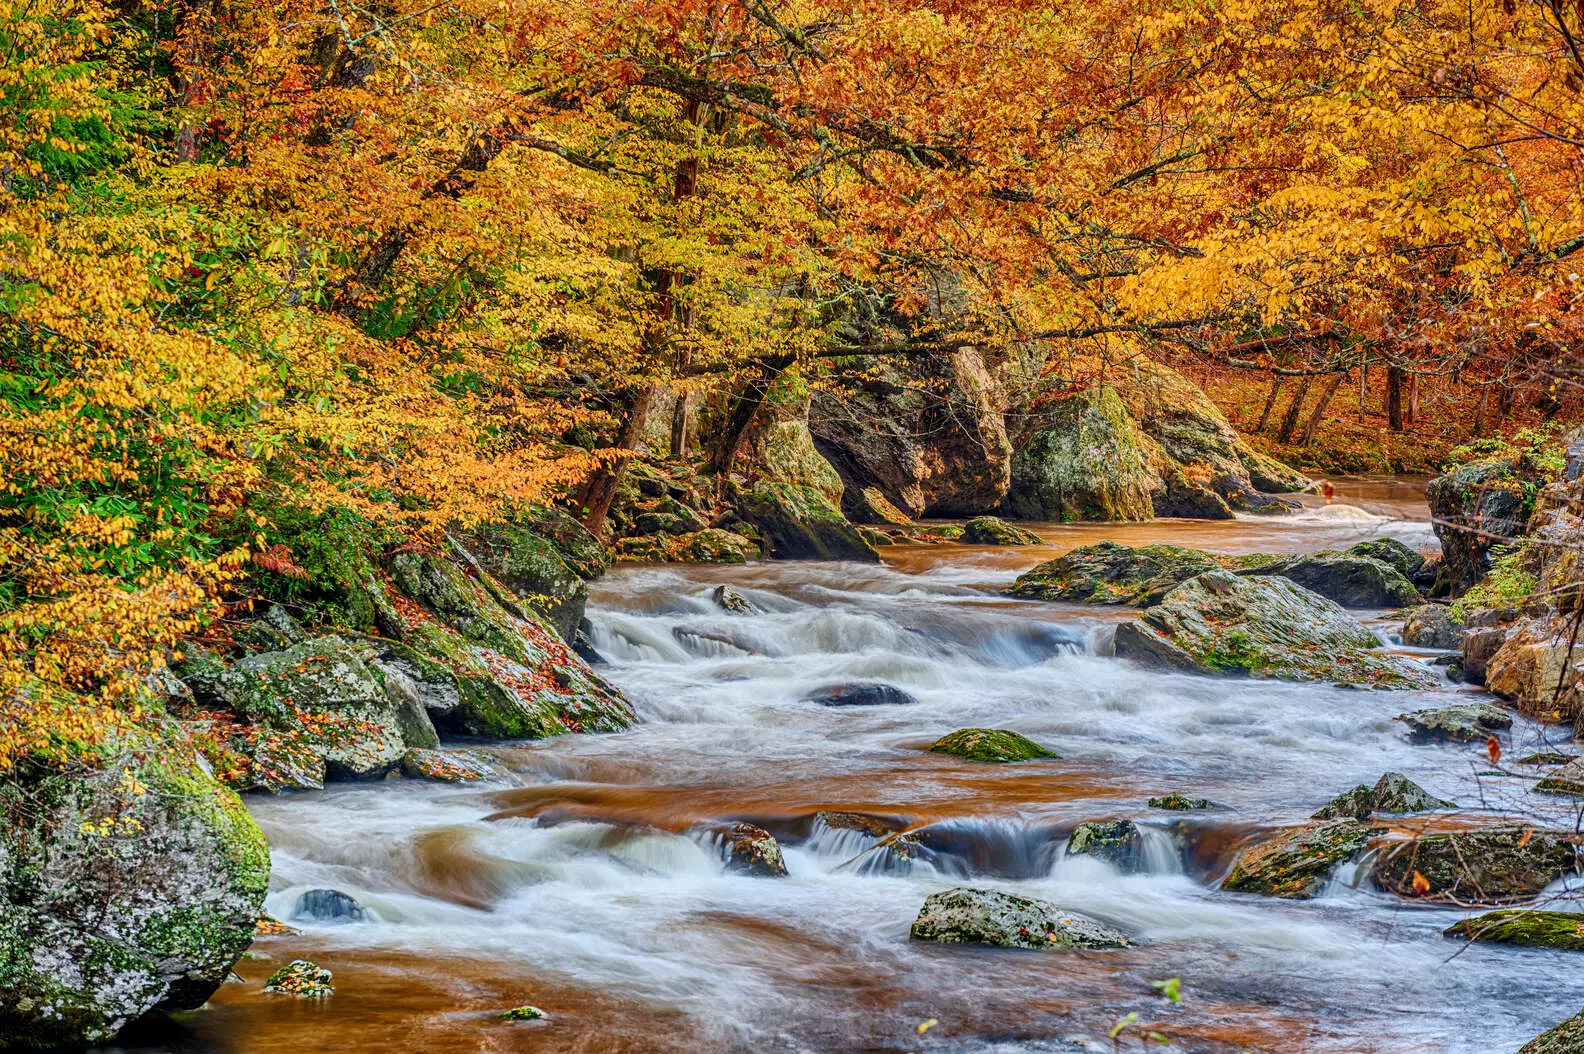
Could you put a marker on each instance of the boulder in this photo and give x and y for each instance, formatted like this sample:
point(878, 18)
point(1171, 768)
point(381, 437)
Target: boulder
point(715, 546)
point(1110, 573)
point(1350, 580)
point(728, 599)
point(1537, 667)
point(868, 505)
point(328, 905)
point(1118, 842)
point(1559, 930)
point(1480, 645)
point(1465, 723)
point(450, 766)
point(862, 822)
point(1432, 626)
point(1177, 803)
point(1408, 562)
point(1392, 793)
point(1487, 865)
point(1473, 506)
point(1297, 862)
point(129, 882)
point(300, 978)
point(1087, 461)
point(1262, 627)
point(990, 745)
point(533, 568)
point(992, 530)
point(986, 916)
point(860, 694)
point(748, 849)
point(1566, 1038)
point(801, 523)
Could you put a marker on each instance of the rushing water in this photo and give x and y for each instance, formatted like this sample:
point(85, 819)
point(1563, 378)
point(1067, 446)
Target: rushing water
point(579, 888)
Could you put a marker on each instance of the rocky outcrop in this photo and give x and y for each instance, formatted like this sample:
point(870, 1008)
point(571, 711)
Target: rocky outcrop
point(991, 530)
point(450, 766)
point(1349, 579)
point(1392, 793)
point(1298, 862)
point(1117, 842)
point(1087, 461)
point(1261, 627)
point(987, 916)
point(128, 883)
point(1473, 507)
point(1489, 865)
point(990, 745)
point(1464, 723)
point(1538, 667)
point(748, 849)
point(1177, 803)
point(1532, 928)
point(1432, 626)
point(802, 523)
point(545, 571)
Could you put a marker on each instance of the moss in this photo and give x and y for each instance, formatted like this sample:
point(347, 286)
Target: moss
point(1562, 930)
point(1177, 802)
point(1088, 462)
point(991, 530)
point(1566, 1038)
point(990, 745)
point(1510, 582)
point(1117, 841)
point(1492, 865)
point(524, 1013)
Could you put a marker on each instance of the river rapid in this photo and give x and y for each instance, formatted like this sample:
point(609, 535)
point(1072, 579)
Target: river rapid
point(579, 889)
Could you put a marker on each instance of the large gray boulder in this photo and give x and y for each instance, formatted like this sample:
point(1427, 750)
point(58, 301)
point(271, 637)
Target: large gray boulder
point(128, 882)
point(1472, 508)
point(542, 558)
point(988, 916)
point(1087, 461)
point(1223, 623)
point(802, 523)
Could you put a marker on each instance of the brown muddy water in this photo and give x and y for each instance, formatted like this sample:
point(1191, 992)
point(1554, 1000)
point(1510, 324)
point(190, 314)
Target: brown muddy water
point(577, 887)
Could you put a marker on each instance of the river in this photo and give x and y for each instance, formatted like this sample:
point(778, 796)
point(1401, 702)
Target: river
point(579, 889)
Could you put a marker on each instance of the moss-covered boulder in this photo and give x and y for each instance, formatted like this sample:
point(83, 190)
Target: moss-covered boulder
point(714, 545)
point(1464, 723)
point(300, 978)
point(1118, 842)
point(1348, 579)
point(1297, 862)
point(1566, 1038)
point(1261, 627)
point(1177, 803)
point(748, 849)
point(987, 916)
point(1111, 573)
point(1392, 793)
point(128, 882)
point(992, 530)
point(1432, 626)
point(1087, 461)
point(801, 523)
point(1559, 930)
point(1488, 865)
point(450, 766)
point(1567, 780)
point(1472, 506)
point(869, 505)
point(990, 745)
point(533, 568)
point(1407, 561)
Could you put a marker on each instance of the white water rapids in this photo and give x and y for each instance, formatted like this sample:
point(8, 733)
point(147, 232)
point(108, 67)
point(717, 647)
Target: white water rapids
point(577, 887)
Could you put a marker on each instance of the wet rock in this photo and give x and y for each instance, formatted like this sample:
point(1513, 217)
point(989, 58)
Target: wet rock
point(1118, 842)
point(1534, 660)
point(327, 905)
point(1465, 723)
point(1569, 780)
point(274, 630)
point(749, 849)
point(860, 694)
point(534, 568)
point(868, 505)
point(1560, 930)
point(1298, 862)
point(1431, 626)
point(1472, 506)
point(450, 766)
point(986, 916)
point(1408, 562)
point(300, 978)
point(992, 530)
point(1177, 803)
point(524, 1013)
point(1566, 1038)
point(1348, 579)
point(1392, 793)
point(1111, 573)
point(1546, 757)
point(728, 599)
point(715, 546)
point(1480, 643)
point(800, 523)
point(861, 822)
point(130, 884)
point(991, 745)
point(1262, 627)
point(1087, 461)
point(1491, 865)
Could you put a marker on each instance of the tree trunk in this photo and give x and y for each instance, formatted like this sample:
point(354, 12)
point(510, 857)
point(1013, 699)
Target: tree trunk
point(744, 407)
point(193, 44)
point(1320, 407)
point(1479, 412)
point(1394, 414)
point(1290, 419)
point(1363, 390)
point(1270, 403)
point(1413, 399)
point(600, 490)
point(679, 424)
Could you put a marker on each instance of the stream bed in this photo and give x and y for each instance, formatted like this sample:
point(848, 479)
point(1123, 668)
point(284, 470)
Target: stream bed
point(579, 888)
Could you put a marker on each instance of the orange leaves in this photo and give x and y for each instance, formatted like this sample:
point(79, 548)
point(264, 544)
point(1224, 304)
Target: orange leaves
point(1421, 885)
point(1493, 749)
point(278, 558)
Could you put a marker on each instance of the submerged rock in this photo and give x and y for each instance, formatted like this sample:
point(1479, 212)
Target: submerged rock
point(861, 822)
point(987, 916)
point(300, 978)
point(1178, 803)
point(1490, 865)
point(1431, 626)
point(328, 905)
point(1392, 793)
point(1566, 1038)
point(450, 766)
point(1561, 930)
point(991, 745)
point(1465, 723)
point(1298, 862)
point(1118, 842)
point(728, 599)
point(1262, 627)
point(992, 530)
point(860, 694)
point(749, 849)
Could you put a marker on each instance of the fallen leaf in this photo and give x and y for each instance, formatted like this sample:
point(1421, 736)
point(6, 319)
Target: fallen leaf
point(1493, 748)
point(1421, 884)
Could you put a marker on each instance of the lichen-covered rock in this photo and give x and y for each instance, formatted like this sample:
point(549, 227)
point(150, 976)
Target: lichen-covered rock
point(130, 884)
point(450, 766)
point(990, 745)
point(1488, 865)
point(1464, 723)
point(801, 523)
point(1110, 573)
point(1177, 803)
point(860, 694)
point(1348, 579)
point(992, 530)
point(533, 568)
point(300, 978)
point(1432, 626)
point(1087, 461)
point(1407, 561)
point(748, 849)
point(1392, 793)
point(328, 695)
point(1470, 507)
point(1559, 930)
point(715, 546)
point(1118, 842)
point(868, 505)
point(728, 599)
point(1566, 1038)
point(1296, 863)
point(524, 1013)
point(987, 916)
point(1262, 627)
point(1568, 780)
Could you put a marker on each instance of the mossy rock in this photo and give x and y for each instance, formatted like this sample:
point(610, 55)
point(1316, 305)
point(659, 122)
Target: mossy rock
point(1560, 930)
point(1566, 1038)
point(1432, 626)
point(1464, 723)
point(1087, 461)
point(1110, 573)
point(748, 849)
point(533, 568)
point(1118, 842)
point(990, 745)
point(992, 530)
point(300, 978)
point(524, 1013)
point(1489, 865)
point(1568, 780)
point(1296, 863)
point(1392, 793)
point(451, 766)
point(801, 523)
point(1408, 562)
point(988, 916)
point(715, 546)
point(1177, 803)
